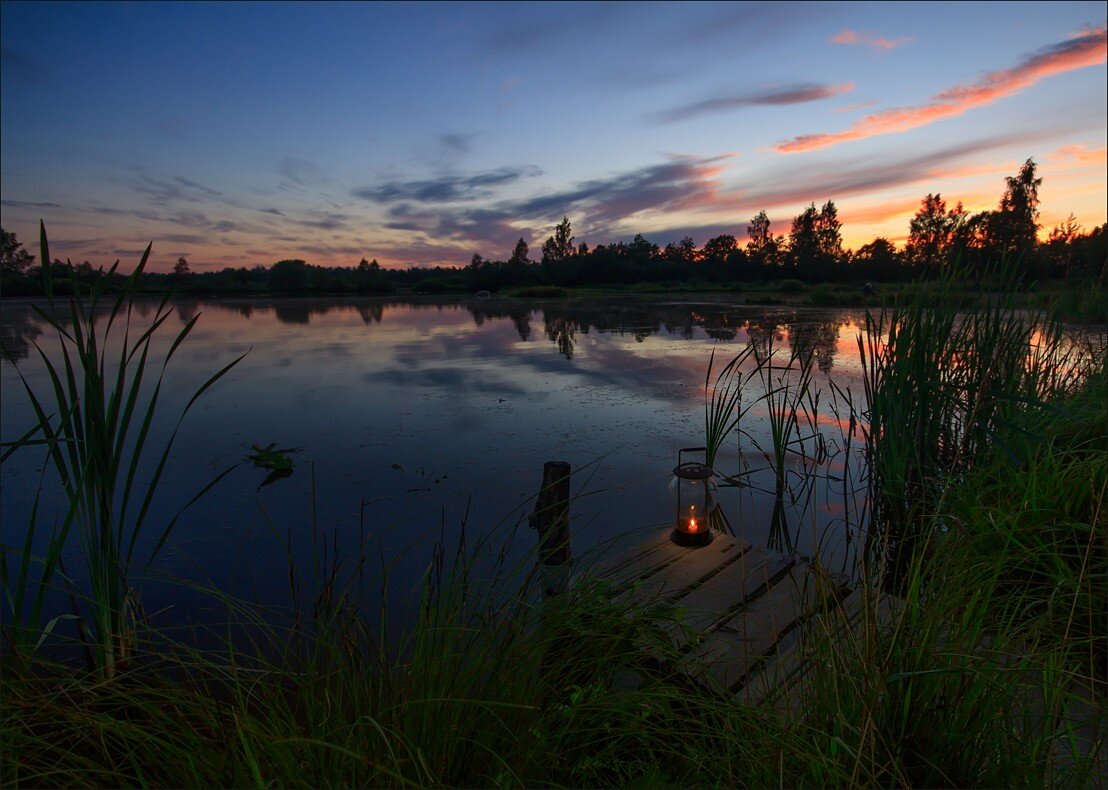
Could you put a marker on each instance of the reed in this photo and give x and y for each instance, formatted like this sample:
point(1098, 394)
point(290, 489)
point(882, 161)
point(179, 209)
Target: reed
point(988, 671)
point(95, 425)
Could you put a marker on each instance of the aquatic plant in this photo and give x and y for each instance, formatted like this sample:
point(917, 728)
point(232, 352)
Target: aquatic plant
point(95, 424)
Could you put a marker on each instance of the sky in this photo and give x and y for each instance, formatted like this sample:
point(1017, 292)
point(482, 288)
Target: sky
point(242, 134)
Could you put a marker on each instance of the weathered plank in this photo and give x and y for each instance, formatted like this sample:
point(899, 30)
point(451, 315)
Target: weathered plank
point(631, 557)
point(732, 650)
point(708, 604)
point(687, 567)
point(785, 677)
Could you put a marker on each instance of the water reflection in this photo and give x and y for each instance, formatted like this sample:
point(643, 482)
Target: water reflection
point(441, 411)
point(18, 335)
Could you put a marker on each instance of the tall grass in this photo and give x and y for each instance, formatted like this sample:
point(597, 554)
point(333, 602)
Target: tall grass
point(94, 425)
point(987, 671)
point(943, 390)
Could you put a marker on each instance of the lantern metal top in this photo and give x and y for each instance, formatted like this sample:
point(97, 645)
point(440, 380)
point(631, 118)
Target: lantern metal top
point(692, 470)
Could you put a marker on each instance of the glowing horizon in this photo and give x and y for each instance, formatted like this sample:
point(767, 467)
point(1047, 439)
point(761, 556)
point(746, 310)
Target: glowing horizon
point(421, 134)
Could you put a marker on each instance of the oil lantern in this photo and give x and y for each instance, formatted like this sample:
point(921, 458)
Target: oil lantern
point(694, 492)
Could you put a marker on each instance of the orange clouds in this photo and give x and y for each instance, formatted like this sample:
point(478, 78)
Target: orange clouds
point(1080, 156)
point(848, 36)
point(1089, 48)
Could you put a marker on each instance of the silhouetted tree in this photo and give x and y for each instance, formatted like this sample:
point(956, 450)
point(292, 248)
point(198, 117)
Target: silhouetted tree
point(1059, 248)
point(519, 254)
point(763, 248)
point(719, 248)
point(14, 260)
point(181, 269)
point(877, 260)
point(1015, 224)
point(289, 275)
point(558, 247)
point(932, 232)
point(804, 241)
point(829, 231)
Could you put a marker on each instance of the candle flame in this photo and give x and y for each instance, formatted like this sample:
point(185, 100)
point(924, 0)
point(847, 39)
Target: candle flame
point(692, 525)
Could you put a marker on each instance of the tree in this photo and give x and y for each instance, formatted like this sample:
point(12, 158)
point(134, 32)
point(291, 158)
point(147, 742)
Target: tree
point(877, 260)
point(687, 249)
point(519, 254)
point(181, 268)
point(829, 233)
point(14, 260)
point(1059, 248)
point(932, 232)
point(719, 248)
point(763, 248)
point(289, 275)
point(804, 240)
point(1015, 223)
point(558, 247)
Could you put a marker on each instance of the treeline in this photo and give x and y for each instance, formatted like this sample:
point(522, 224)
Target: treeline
point(812, 251)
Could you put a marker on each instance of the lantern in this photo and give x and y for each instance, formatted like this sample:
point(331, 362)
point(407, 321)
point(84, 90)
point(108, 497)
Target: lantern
point(694, 493)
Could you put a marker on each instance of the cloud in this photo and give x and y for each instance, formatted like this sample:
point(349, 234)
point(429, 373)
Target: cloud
point(171, 127)
point(1080, 156)
point(1086, 49)
point(841, 179)
point(681, 183)
point(169, 190)
point(524, 29)
point(599, 207)
point(447, 189)
point(24, 204)
point(795, 94)
point(456, 144)
point(302, 172)
point(118, 212)
point(848, 36)
point(22, 67)
point(853, 107)
point(877, 213)
point(324, 220)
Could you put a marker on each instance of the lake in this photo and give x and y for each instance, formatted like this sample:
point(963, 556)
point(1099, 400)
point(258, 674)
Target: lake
point(416, 417)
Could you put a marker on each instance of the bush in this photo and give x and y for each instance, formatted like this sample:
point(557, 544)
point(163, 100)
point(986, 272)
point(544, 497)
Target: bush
point(542, 292)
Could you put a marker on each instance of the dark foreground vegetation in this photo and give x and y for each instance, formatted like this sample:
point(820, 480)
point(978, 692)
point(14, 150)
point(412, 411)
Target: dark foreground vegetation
point(986, 456)
point(809, 262)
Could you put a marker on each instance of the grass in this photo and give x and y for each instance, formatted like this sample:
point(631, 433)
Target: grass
point(988, 671)
point(95, 429)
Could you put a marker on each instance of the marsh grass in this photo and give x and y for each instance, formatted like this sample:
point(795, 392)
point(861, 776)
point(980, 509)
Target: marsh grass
point(987, 671)
point(94, 426)
point(946, 389)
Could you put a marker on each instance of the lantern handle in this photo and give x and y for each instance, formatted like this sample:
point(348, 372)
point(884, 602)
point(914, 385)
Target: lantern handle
point(692, 450)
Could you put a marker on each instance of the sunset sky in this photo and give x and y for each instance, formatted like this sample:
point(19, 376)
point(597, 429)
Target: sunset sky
point(242, 134)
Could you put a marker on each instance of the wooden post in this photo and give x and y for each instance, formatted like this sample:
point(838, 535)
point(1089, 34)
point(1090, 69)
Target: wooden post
point(551, 519)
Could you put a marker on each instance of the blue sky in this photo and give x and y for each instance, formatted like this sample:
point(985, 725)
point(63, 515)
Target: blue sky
point(240, 134)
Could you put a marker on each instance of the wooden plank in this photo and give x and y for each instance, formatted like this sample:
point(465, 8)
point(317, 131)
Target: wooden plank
point(785, 677)
point(780, 670)
point(686, 568)
point(604, 568)
point(731, 651)
point(706, 605)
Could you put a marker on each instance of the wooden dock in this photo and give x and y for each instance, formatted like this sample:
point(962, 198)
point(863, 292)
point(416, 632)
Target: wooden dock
point(742, 610)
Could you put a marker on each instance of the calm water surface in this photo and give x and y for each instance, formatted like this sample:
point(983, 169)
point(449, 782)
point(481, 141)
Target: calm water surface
point(415, 418)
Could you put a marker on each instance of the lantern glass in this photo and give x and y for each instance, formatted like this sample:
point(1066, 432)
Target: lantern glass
point(694, 493)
